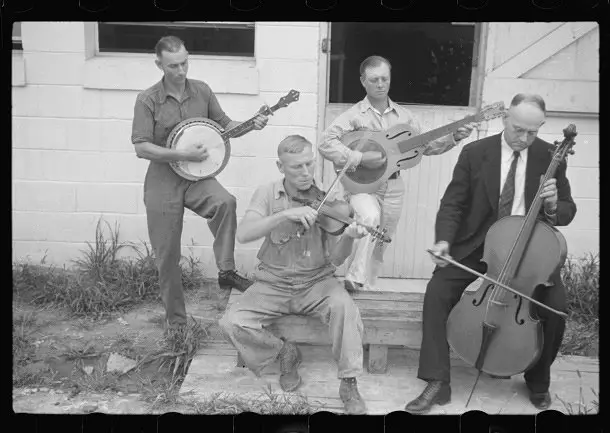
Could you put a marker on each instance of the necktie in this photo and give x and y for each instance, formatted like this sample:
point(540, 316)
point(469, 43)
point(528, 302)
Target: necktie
point(508, 192)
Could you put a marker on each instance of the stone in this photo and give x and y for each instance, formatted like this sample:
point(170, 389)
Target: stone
point(119, 363)
point(88, 369)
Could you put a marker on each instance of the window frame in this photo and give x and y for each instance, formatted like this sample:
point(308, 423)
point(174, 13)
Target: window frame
point(203, 24)
point(17, 39)
point(476, 76)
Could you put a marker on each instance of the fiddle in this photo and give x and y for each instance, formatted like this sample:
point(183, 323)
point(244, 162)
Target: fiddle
point(334, 216)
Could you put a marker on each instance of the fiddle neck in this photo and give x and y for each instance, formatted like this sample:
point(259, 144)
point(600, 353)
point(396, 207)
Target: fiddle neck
point(514, 257)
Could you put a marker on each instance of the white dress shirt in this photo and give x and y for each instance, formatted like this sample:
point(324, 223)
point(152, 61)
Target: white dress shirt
point(506, 161)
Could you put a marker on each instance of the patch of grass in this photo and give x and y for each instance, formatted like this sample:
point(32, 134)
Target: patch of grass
point(102, 281)
point(580, 407)
point(265, 403)
point(98, 380)
point(581, 278)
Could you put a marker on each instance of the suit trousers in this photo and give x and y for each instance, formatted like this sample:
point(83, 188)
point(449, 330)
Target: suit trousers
point(165, 197)
point(444, 291)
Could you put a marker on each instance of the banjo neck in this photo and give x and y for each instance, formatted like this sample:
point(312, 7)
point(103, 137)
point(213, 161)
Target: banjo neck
point(247, 126)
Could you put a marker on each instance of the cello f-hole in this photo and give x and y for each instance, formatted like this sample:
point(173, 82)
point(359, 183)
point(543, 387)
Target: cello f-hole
point(517, 320)
point(474, 301)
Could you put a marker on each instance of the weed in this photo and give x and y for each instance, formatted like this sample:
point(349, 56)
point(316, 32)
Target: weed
point(102, 282)
point(580, 407)
point(581, 279)
point(265, 403)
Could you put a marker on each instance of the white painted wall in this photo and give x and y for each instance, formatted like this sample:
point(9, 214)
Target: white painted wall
point(566, 74)
point(73, 160)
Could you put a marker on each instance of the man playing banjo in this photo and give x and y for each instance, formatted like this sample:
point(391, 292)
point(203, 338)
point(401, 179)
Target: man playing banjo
point(375, 112)
point(157, 110)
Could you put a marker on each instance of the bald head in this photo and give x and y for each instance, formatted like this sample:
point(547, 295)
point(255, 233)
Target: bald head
point(525, 116)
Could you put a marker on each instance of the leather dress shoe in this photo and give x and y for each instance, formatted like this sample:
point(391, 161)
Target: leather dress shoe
point(436, 392)
point(541, 400)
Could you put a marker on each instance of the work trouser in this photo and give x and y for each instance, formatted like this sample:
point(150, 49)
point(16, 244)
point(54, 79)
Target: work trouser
point(244, 322)
point(380, 208)
point(165, 197)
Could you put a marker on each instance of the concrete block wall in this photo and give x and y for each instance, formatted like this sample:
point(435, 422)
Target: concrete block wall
point(73, 161)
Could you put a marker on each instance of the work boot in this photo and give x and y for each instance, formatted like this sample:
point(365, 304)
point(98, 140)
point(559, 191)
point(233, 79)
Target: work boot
point(436, 392)
point(290, 359)
point(353, 402)
point(231, 279)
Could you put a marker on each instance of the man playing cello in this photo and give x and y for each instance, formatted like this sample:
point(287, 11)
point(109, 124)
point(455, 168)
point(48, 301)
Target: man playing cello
point(516, 159)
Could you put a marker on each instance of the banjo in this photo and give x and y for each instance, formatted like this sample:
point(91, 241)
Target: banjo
point(400, 147)
point(216, 139)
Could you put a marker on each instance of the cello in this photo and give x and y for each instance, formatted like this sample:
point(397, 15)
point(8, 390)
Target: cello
point(492, 328)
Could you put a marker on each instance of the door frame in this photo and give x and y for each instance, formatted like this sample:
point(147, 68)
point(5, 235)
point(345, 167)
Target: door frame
point(323, 91)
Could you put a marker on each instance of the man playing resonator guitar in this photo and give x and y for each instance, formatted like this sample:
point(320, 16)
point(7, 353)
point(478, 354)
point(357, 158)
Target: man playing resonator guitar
point(376, 112)
point(157, 110)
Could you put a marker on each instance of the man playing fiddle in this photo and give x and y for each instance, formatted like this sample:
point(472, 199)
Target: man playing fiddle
point(296, 276)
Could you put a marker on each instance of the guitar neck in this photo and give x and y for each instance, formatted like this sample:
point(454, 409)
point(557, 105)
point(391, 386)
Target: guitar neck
point(426, 137)
point(246, 126)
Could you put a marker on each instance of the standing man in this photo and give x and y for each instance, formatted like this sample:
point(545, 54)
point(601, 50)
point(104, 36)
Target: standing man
point(296, 276)
point(157, 110)
point(376, 112)
point(516, 158)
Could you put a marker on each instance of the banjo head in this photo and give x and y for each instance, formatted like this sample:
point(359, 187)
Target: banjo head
point(199, 130)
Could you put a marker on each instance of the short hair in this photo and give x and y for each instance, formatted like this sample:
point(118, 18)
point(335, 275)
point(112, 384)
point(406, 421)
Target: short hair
point(169, 43)
point(372, 62)
point(293, 144)
point(529, 98)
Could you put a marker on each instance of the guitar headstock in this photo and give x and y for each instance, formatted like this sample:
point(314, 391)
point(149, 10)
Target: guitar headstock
point(490, 112)
point(289, 98)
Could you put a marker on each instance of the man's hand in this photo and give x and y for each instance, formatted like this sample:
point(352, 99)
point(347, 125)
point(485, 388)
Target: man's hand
point(196, 153)
point(355, 230)
point(442, 249)
point(305, 215)
point(372, 159)
point(260, 121)
point(464, 131)
point(549, 194)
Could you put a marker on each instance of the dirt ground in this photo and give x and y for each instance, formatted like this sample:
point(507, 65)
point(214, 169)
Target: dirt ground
point(67, 366)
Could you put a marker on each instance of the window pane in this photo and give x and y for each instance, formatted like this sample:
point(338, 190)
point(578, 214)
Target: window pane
point(138, 38)
point(431, 62)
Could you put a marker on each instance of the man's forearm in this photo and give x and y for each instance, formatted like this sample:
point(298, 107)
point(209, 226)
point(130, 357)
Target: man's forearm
point(254, 229)
point(152, 152)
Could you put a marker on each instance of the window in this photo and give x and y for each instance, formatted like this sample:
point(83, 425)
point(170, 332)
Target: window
point(17, 36)
point(432, 63)
point(213, 38)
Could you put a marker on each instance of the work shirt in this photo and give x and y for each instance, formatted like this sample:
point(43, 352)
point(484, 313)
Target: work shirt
point(293, 260)
point(363, 115)
point(156, 113)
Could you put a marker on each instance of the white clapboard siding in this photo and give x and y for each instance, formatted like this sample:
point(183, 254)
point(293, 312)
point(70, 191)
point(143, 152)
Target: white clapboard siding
point(406, 255)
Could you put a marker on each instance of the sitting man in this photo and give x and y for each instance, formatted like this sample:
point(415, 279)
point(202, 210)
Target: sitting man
point(296, 276)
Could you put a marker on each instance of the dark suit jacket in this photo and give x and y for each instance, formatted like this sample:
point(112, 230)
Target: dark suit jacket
point(470, 204)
